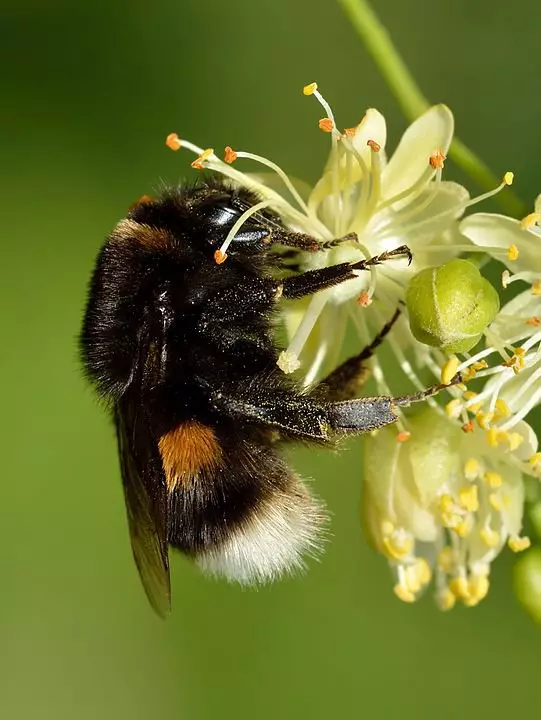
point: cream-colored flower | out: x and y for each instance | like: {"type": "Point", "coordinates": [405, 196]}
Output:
{"type": "Point", "coordinates": [442, 504]}
{"type": "Point", "coordinates": [516, 244]}
{"type": "Point", "coordinates": [387, 204]}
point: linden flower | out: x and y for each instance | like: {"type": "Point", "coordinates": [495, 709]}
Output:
{"type": "Point", "coordinates": [371, 206]}
{"type": "Point", "coordinates": [442, 503]}
{"type": "Point", "coordinates": [514, 243]}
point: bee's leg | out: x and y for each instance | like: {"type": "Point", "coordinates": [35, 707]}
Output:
{"type": "Point", "coordinates": [313, 281]}
{"type": "Point", "coordinates": [303, 416]}
{"type": "Point", "coordinates": [348, 379]}
{"type": "Point", "coordinates": [307, 243]}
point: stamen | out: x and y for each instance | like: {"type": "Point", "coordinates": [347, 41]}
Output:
{"type": "Point", "coordinates": [237, 226]}
{"type": "Point", "coordinates": [277, 169]}
{"type": "Point", "coordinates": [437, 160]}
{"type": "Point", "coordinates": [530, 220]}
{"type": "Point", "coordinates": [229, 155]}
{"type": "Point", "coordinates": [403, 436]}
{"type": "Point", "coordinates": [507, 180]}
{"type": "Point", "coordinates": [449, 370]}
{"type": "Point", "coordinates": [326, 125]}
{"type": "Point", "coordinates": [173, 141]}
{"type": "Point", "coordinates": [309, 89]}
{"type": "Point", "coordinates": [288, 361]}
{"type": "Point", "coordinates": [199, 162]}
{"type": "Point", "coordinates": [512, 252]}
{"type": "Point", "coordinates": [518, 544]}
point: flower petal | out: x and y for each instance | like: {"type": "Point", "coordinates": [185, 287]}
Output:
{"type": "Point", "coordinates": [497, 233]}
{"type": "Point", "coordinates": [371, 127]}
{"type": "Point", "coordinates": [430, 132]}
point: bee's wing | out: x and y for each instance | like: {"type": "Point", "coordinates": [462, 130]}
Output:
{"type": "Point", "coordinates": [146, 501]}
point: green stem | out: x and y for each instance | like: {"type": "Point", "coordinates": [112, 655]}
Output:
{"type": "Point", "coordinates": [412, 101]}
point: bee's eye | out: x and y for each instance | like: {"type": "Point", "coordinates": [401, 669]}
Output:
{"type": "Point", "coordinates": [222, 215]}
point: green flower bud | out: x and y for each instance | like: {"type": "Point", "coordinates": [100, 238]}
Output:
{"type": "Point", "coordinates": [528, 582]}
{"type": "Point", "coordinates": [450, 306]}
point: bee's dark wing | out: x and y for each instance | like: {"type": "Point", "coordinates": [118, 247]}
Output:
{"type": "Point", "coordinates": [146, 500]}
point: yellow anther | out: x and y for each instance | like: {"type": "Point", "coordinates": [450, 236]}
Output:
{"type": "Point", "coordinates": [472, 468]}
{"type": "Point", "coordinates": [326, 124]}
{"type": "Point", "coordinates": [198, 163]}
{"type": "Point", "coordinates": [459, 587]}
{"type": "Point", "coordinates": [470, 395]}
{"type": "Point", "coordinates": [502, 408]}
{"type": "Point", "coordinates": [403, 436]}
{"type": "Point", "coordinates": [490, 537]}
{"type": "Point", "coordinates": [493, 437]}
{"type": "Point", "coordinates": [520, 352]}
{"type": "Point", "coordinates": [173, 141]}
{"type": "Point", "coordinates": [449, 370]}
{"type": "Point", "coordinates": [309, 89]}
{"type": "Point", "coordinates": [506, 499]}
{"type": "Point", "coordinates": [515, 440]}
{"type": "Point", "coordinates": [453, 408]}
{"type": "Point", "coordinates": [518, 544]}
{"type": "Point", "coordinates": [445, 599]}
{"type": "Point", "coordinates": [424, 571]}
{"type": "Point", "coordinates": [506, 276]}
{"type": "Point", "coordinates": [387, 527]}
{"type": "Point", "coordinates": [535, 459]}
{"type": "Point", "coordinates": [493, 479]}
{"type": "Point", "coordinates": [512, 252]}
{"type": "Point", "coordinates": [496, 502]}
{"type": "Point", "coordinates": [446, 561]}
{"type": "Point", "coordinates": [484, 419]}
{"type": "Point", "coordinates": [398, 546]}
{"type": "Point", "coordinates": [480, 365]}
{"type": "Point", "coordinates": [402, 593]}
{"type": "Point", "coordinates": [437, 159]}
{"type": "Point", "coordinates": [508, 178]}
{"type": "Point", "coordinates": [530, 220]}
{"type": "Point", "coordinates": [536, 287]}
{"type": "Point", "coordinates": [469, 498]}
{"type": "Point", "coordinates": [468, 374]}
{"type": "Point", "coordinates": [478, 586]}
{"type": "Point", "coordinates": [463, 529]}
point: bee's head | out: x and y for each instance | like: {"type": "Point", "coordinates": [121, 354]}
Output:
{"type": "Point", "coordinates": [216, 216]}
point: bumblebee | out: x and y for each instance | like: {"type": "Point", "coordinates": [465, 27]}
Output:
{"type": "Point", "coordinates": [178, 340]}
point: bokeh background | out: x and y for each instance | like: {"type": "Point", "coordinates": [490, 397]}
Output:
{"type": "Point", "coordinates": [89, 91]}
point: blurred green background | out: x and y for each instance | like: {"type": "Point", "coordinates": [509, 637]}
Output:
{"type": "Point", "coordinates": [89, 91]}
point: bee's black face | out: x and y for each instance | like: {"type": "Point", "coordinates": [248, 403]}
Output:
{"type": "Point", "coordinates": [218, 213]}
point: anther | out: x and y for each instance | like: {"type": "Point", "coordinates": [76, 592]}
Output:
{"type": "Point", "coordinates": [220, 257]}
{"type": "Point", "coordinates": [309, 89]}
{"type": "Point", "coordinates": [198, 163]}
{"type": "Point", "coordinates": [403, 436]}
{"type": "Point", "coordinates": [506, 276]}
{"type": "Point", "coordinates": [472, 469]}
{"type": "Point", "coordinates": [536, 287]}
{"type": "Point", "coordinates": [364, 299]}
{"type": "Point", "coordinates": [449, 370]}
{"type": "Point", "coordinates": [173, 141]}
{"type": "Point", "coordinates": [229, 155]}
{"type": "Point", "coordinates": [326, 124]}
{"type": "Point", "coordinates": [350, 132]}
{"type": "Point", "coordinates": [508, 178]}
{"type": "Point", "coordinates": [373, 145]}
{"type": "Point", "coordinates": [512, 252]}
{"type": "Point", "coordinates": [468, 427]}
{"type": "Point", "coordinates": [493, 479]}
{"type": "Point", "coordinates": [403, 593]}
{"type": "Point", "coordinates": [535, 321]}
{"type": "Point", "coordinates": [530, 220]}
{"type": "Point", "coordinates": [518, 544]}
{"type": "Point", "coordinates": [437, 160]}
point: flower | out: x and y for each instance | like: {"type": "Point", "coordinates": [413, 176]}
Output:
{"type": "Point", "coordinates": [386, 204]}
{"type": "Point", "coordinates": [514, 243]}
{"type": "Point", "coordinates": [443, 504]}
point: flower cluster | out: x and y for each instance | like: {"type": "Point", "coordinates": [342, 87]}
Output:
{"type": "Point", "coordinates": [444, 489]}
